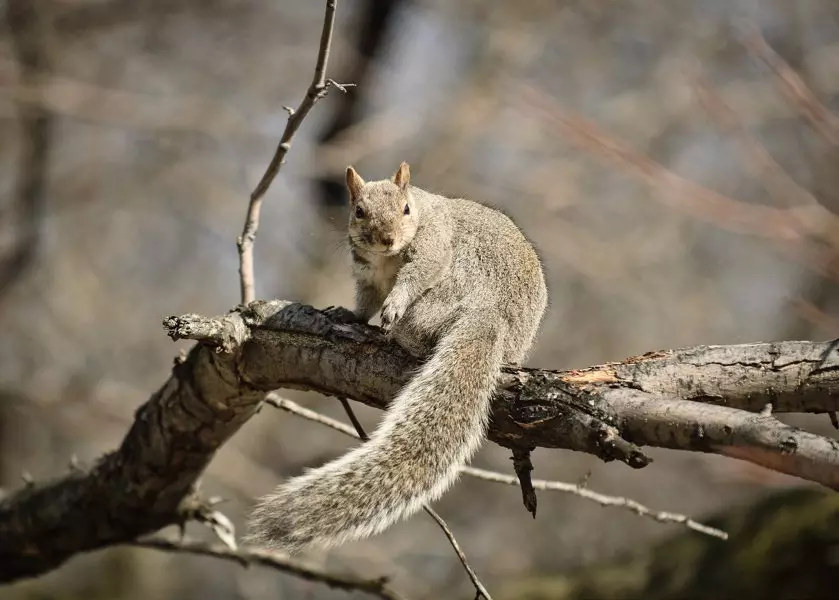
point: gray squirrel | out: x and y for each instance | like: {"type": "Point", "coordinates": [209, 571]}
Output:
{"type": "Point", "coordinates": [458, 284]}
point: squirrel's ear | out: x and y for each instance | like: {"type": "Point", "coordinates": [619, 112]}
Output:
{"type": "Point", "coordinates": [354, 182]}
{"type": "Point", "coordinates": [403, 176]}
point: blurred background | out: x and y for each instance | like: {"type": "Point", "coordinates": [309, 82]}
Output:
{"type": "Point", "coordinates": [677, 193]}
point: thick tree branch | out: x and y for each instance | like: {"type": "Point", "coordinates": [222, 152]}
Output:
{"type": "Point", "coordinates": [138, 488]}
{"type": "Point", "coordinates": [705, 399]}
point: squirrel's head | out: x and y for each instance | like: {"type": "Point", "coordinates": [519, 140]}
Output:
{"type": "Point", "coordinates": [383, 214]}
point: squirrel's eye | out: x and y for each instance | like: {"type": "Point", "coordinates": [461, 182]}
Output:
{"type": "Point", "coordinates": [406, 210]}
{"type": "Point", "coordinates": [359, 212]}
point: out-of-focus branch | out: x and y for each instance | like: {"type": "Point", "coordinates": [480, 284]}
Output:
{"type": "Point", "coordinates": [791, 228]}
{"type": "Point", "coordinates": [794, 89]}
{"type": "Point", "coordinates": [274, 560]}
{"type": "Point", "coordinates": [673, 190]}
{"type": "Point", "coordinates": [816, 219]}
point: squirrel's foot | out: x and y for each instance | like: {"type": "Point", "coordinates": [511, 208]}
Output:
{"type": "Point", "coordinates": [393, 308]}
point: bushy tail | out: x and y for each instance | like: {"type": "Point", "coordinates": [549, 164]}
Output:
{"type": "Point", "coordinates": [433, 426]}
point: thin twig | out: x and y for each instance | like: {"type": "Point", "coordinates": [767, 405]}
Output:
{"type": "Point", "coordinates": [539, 484]}
{"type": "Point", "coordinates": [317, 90]}
{"type": "Point", "coordinates": [602, 499]}
{"type": "Point", "coordinates": [479, 587]}
{"type": "Point", "coordinates": [277, 401]}
{"type": "Point", "coordinates": [274, 560]}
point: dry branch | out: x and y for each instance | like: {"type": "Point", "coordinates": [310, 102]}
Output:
{"type": "Point", "coordinates": [136, 489]}
{"type": "Point", "coordinates": [319, 87]}
{"type": "Point", "coordinates": [702, 399]}
{"type": "Point", "coordinates": [274, 560]}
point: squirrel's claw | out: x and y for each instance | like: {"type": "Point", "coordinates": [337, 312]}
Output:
{"type": "Point", "coordinates": [393, 308]}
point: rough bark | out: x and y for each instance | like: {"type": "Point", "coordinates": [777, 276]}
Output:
{"type": "Point", "coordinates": [708, 399]}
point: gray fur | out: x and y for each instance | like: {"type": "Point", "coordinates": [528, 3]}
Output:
{"type": "Point", "coordinates": [456, 282]}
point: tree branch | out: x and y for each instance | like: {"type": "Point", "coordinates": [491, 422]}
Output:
{"type": "Point", "coordinates": [691, 399]}
{"type": "Point", "coordinates": [317, 90]}
{"type": "Point", "coordinates": [138, 488]}
{"type": "Point", "coordinates": [793, 87]}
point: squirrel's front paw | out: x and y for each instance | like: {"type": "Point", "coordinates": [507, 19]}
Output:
{"type": "Point", "coordinates": [393, 308]}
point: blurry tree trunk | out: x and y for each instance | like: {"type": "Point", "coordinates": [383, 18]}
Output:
{"type": "Point", "coordinates": [24, 21]}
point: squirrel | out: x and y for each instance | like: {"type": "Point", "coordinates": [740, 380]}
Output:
{"type": "Point", "coordinates": [457, 284]}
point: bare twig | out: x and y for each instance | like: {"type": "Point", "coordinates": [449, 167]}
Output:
{"type": "Point", "coordinates": [317, 90]}
{"type": "Point", "coordinates": [479, 587]}
{"type": "Point", "coordinates": [602, 499]}
{"type": "Point", "coordinates": [277, 401]}
{"type": "Point", "coordinates": [578, 489]}
{"type": "Point", "coordinates": [274, 560]}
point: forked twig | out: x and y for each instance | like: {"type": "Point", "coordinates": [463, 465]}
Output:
{"type": "Point", "coordinates": [317, 90]}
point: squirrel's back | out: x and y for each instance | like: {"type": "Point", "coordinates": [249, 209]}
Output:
{"type": "Point", "coordinates": [494, 267]}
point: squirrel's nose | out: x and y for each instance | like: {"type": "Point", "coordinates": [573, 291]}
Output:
{"type": "Point", "coordinates": [387, 240]}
